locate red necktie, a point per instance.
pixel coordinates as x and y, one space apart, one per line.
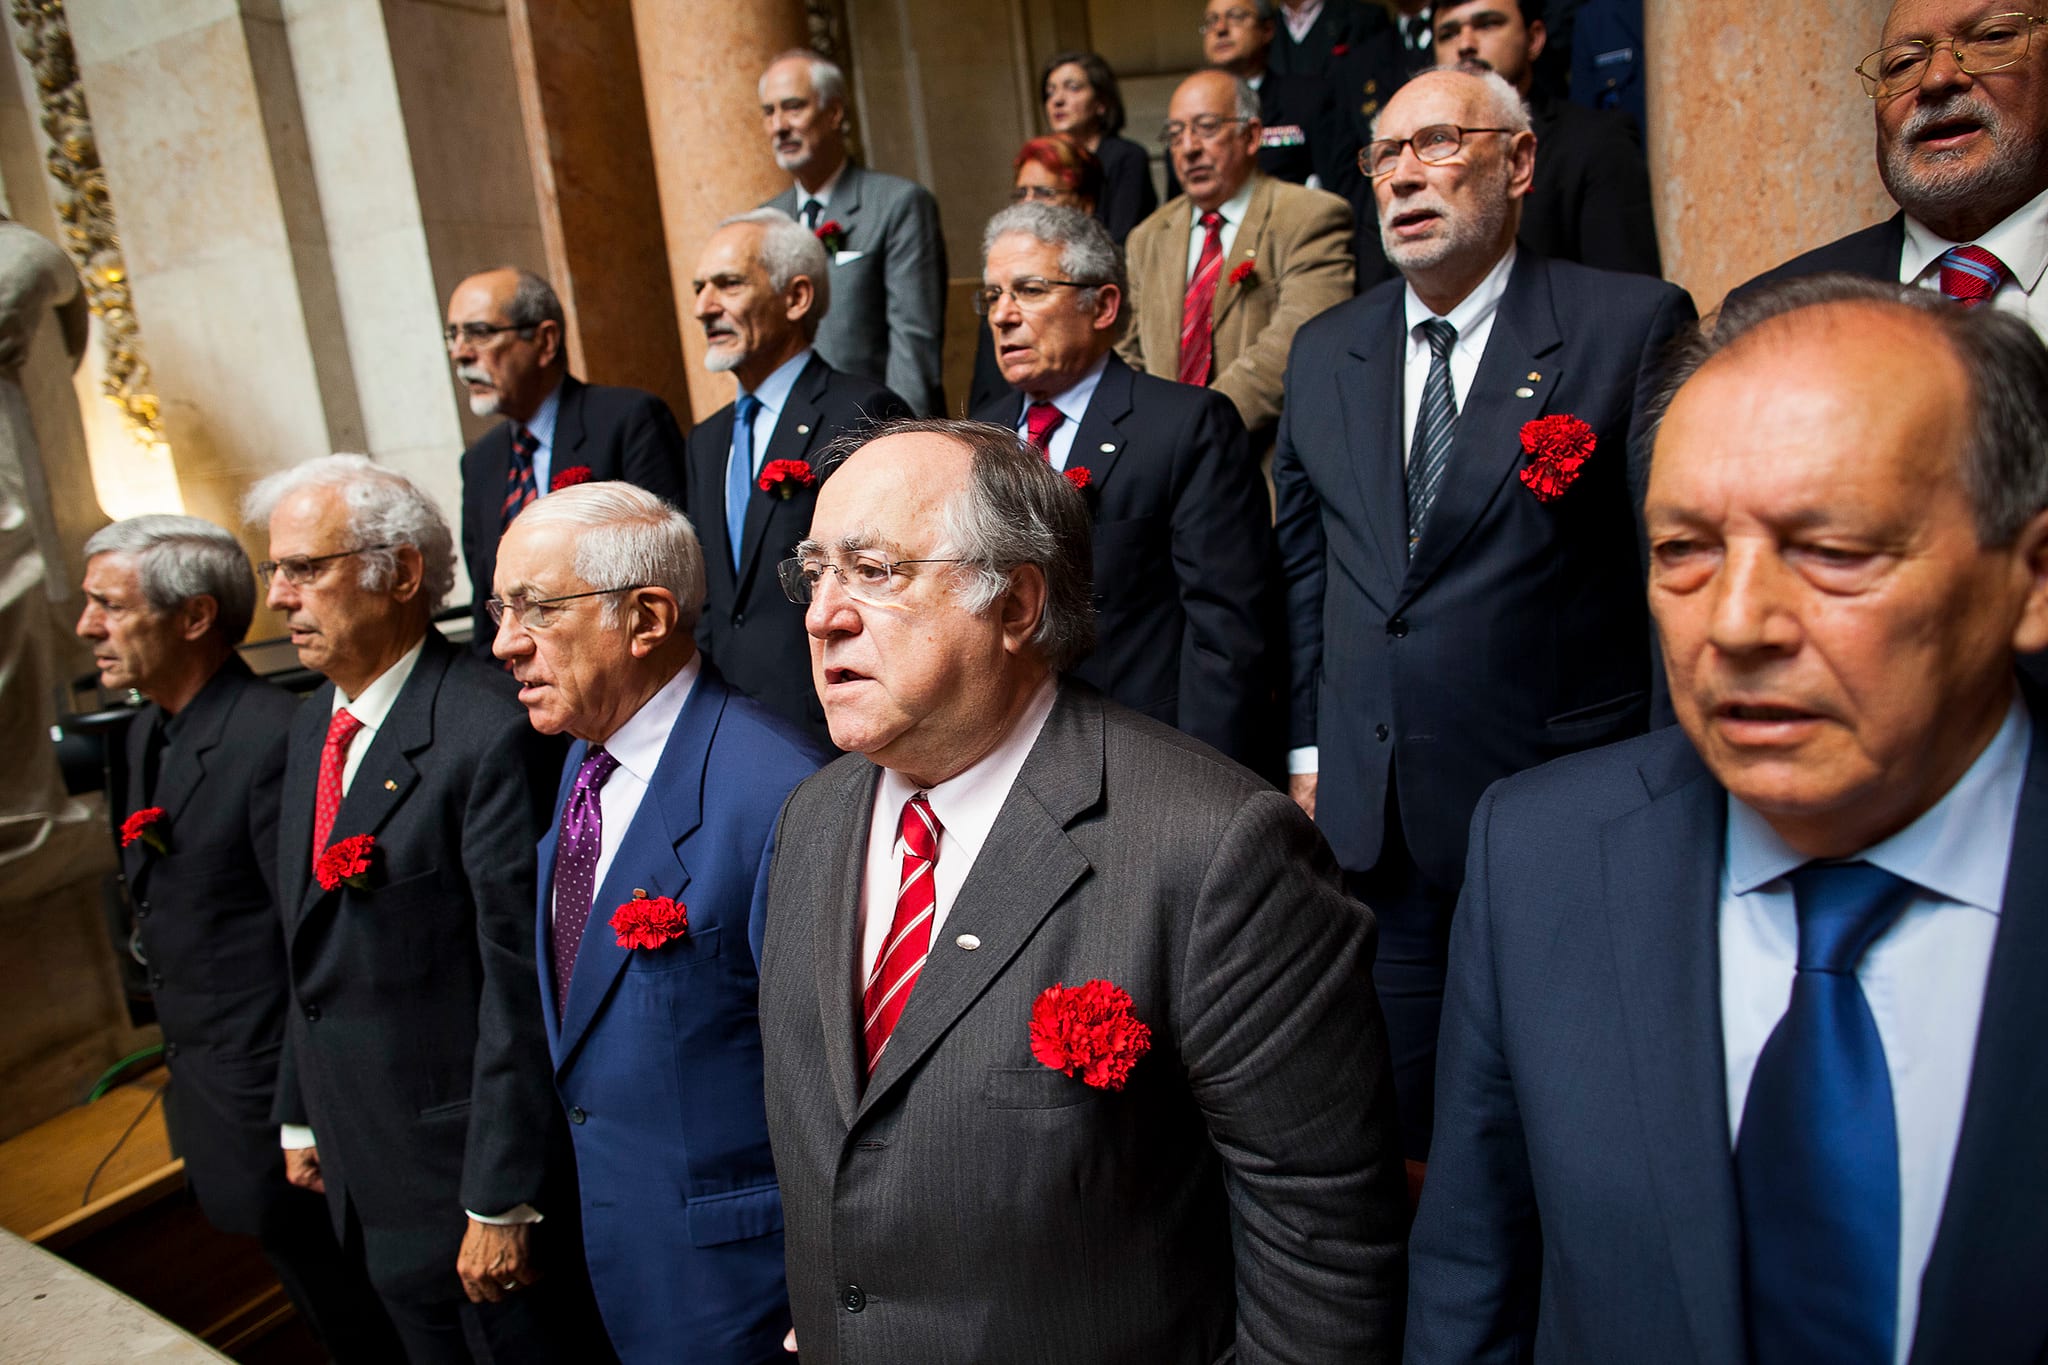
1041 420
1971 275
327 793
1197 347
520 488
910 932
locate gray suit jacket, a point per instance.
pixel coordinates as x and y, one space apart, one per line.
887 317
1241 1198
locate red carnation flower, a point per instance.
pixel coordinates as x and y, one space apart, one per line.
1089 1030
569 478
1339 49
346 863
1242 273
649 922
147 825
1558 446
786 478
1076 475
832 235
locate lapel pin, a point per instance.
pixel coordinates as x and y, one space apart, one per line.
639 893
802 430
968 941
390 785
1535 375
1109 447
1525 392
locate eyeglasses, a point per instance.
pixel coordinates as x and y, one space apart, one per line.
1991 44
1043 194
1204 126
299 570
1230 18
480 333
866 578
1029 292
1434 145
532 612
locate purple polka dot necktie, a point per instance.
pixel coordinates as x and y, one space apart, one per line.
576 867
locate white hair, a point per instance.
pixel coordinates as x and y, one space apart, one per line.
789 249
1506 108
828 82
179 558
627 537
385 509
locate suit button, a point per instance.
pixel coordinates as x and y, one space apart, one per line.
739 618
1379 732
142 910
170 1050
156 979
853 1299
312 1014
1397 627
576 1114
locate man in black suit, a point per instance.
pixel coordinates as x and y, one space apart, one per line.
1964 153
1314 34
1464 592
1183 547
1305 140
505 337
1741 1043
166 598
415 1088
1590 200
763 284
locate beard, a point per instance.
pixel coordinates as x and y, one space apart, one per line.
1458 235
1934 185
483 403
725 360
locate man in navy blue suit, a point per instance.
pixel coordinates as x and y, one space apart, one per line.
1456 530
651 900
1741 1043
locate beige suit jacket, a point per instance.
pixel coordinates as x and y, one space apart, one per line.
1298 243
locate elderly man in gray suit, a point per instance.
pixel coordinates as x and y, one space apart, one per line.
1071 1045
888 258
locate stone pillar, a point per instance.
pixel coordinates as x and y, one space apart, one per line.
593 173
699 64
1761 141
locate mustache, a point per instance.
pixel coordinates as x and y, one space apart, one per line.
470 374
1961 104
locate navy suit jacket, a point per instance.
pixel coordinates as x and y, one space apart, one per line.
1183 558
615 433
1872 252
749 627
1581 1198
658 1057
1517 631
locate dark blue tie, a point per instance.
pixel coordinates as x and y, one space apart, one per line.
1817 1159
1436 421
739 473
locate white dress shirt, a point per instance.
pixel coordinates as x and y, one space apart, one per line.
1233 211
773 395
965 806
1073 405
1924 978
2021 245
542 428
823 194
637 746
1301 18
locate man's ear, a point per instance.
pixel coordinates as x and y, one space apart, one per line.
799 298
547 339
1109 302
652 618
1023 607
1538 36
410 573
196 616
2030 559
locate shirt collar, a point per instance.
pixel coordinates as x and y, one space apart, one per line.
1958 849
374 702
1072 401
774 390
1471 310
1301 18
1233 209
2020 243
824 192
966 804
637 744
542 427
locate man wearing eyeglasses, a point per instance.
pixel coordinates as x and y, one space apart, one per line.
1458 606
1183 544
506 338
1959 89
413 1087
668 799
1223 275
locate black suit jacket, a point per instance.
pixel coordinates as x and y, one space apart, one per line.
1517 630
1127 193
1581 1199
206 912
1341 28
1872 252
415 1046
1590 202
615 433
1183 557
750 629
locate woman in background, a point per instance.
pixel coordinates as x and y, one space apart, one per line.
1082 103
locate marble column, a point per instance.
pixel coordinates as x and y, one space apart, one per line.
699 67
1761 141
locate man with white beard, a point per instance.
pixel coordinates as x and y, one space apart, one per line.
506 340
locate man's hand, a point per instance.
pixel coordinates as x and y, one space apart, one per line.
1302 787
496 1260
302 1168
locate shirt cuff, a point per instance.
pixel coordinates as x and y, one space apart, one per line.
525 1213
295 1136
1303 761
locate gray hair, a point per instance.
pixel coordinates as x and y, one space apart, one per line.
627 535
1247 98
533 300
1088 254
789 249
828 82
384 508
1506 108
180 558
2005 456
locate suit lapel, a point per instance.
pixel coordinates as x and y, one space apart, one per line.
135 856
565 451
1662 866
835 949
1487 448
1244 250
1098 441
544 881
1369 387
795 429
1166 290
845 208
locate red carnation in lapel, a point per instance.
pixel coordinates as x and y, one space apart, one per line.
1076 475
650 921
1558 446
149 826
569 478
1089 1030
786 478
832 235
346 863
1244 273
1339 49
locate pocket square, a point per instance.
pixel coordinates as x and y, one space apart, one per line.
847 257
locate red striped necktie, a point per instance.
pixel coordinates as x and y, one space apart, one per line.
1971 275
520 488
1197 345
910 932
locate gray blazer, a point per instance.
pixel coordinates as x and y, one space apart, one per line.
1243 1193
887 318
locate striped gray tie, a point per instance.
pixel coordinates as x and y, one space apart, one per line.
1434 424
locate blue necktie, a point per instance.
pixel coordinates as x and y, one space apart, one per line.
1817 1158
739 473
1436 421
